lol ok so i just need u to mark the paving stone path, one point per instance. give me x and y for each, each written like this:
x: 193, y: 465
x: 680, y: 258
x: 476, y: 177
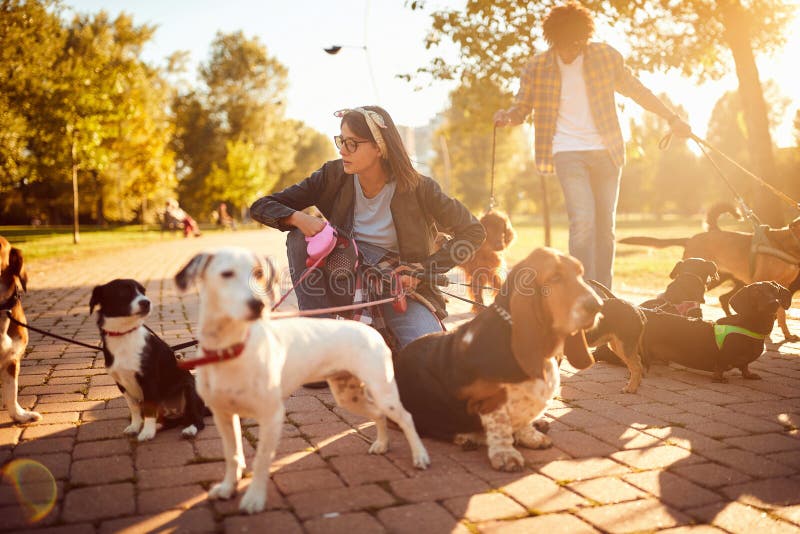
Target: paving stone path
x: 682, y: 454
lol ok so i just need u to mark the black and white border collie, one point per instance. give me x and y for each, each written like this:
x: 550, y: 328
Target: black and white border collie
x: 142, y: 364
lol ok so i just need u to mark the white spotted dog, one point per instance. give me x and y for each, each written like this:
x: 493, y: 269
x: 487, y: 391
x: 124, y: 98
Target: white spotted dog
x: 13, y: 337
x: 143, y: 366
x: 251, y: 364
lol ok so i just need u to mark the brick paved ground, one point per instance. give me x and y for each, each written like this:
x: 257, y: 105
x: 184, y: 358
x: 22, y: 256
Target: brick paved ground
x: 683, y: 453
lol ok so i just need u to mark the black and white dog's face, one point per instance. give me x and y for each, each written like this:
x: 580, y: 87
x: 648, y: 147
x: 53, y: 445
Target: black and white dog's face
x: 122, y: 304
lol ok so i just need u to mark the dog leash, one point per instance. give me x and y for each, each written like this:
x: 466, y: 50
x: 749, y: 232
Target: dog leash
x: 180, y: 346
x: 303, y: 276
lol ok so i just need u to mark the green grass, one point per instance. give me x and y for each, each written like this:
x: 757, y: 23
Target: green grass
x: 634, y: 266
x: 55, y: 242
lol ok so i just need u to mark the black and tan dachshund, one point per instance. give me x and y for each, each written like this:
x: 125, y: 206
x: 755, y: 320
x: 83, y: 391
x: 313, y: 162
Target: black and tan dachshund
x: 683, y: 296
x: 731, y: 342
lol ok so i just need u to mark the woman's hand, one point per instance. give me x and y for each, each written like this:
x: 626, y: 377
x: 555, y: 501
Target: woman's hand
x: 308, y: 224
x: 408, y: 282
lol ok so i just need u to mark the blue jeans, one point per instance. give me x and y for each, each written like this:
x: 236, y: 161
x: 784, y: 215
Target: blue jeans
x: 590, y: 182
x: 316, y: 292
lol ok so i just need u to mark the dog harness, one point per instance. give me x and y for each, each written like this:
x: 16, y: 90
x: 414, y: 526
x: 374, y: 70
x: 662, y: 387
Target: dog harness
x: 721, y: 331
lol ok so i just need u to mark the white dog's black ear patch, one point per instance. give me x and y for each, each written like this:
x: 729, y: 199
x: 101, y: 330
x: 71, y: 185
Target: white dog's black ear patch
x: 196, y: 267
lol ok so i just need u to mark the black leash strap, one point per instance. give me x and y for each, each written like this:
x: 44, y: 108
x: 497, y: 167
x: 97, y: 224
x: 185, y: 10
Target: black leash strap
x: 463, y: 299
x: 44, y: 332
x: 180, y: 346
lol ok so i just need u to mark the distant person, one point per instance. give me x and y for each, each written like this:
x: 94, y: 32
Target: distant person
x: 174, y: 211
x: 374, y: 195
x: 570, y: 88
x: 223, y: 217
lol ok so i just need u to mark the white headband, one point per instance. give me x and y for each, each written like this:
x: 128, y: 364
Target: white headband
x: 374, y: 122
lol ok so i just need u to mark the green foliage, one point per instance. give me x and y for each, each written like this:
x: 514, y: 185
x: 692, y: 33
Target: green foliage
x: 495, y: 37
x: 467, y: 131
x: 311, y: 149
x: 240, y: 108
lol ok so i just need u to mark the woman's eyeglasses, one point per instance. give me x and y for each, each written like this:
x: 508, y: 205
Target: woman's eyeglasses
x: 351, y: 145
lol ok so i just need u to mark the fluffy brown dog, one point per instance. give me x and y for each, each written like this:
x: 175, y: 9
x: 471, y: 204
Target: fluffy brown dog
x: 730, y: 251
x: 488, y: 266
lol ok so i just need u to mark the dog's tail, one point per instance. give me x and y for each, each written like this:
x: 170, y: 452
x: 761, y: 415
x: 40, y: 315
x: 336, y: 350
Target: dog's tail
x: 601, y: 289
x: 655, y: 242
x: 718, y: 209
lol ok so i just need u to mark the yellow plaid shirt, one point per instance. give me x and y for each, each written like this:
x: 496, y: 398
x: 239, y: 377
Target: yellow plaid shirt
x: 605, y: 73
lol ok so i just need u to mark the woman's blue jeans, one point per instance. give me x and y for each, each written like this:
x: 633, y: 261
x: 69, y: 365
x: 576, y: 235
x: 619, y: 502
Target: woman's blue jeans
x: 317, y: 292
x: 590, y: 182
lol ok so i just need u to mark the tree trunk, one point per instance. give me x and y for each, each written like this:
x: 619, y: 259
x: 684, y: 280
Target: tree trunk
x: 759, y: 141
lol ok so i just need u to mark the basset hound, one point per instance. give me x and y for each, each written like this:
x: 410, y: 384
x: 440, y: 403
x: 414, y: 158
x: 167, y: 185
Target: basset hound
x: 489, y: 379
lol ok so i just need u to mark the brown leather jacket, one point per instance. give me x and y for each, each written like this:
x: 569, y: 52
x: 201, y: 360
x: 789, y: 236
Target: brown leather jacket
x: 417, y: 215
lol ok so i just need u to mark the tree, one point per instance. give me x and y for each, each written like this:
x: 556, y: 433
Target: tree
x: 697, y: 37
x: 31, y: 38
x: 241, y: 104
x: 311, y: 150
x: 467, y: 129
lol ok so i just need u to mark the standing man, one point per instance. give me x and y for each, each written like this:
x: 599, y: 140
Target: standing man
x: 570, y: 89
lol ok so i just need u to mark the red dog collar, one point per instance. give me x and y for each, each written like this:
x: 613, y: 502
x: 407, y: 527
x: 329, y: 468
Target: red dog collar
x: 215, y: 356
x: 117, y: 334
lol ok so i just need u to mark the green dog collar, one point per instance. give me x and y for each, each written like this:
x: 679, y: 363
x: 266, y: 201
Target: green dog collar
x: 721, y: 331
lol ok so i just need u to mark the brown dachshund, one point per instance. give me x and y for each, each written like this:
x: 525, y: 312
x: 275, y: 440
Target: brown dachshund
x: 730, y: 251
x: 489, y: 379
x: 488, y: 266
x: 13, y: 338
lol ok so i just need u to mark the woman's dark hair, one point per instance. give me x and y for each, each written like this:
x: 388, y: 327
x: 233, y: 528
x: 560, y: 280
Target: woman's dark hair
x: 397, y: 164
x: 568, y: 23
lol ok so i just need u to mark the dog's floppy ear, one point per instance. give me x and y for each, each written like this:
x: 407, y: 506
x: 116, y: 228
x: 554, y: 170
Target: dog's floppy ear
x: 532, y: 338
x: 509, y: 235
x: 196, y: 267
x: 139, y: 287
x: 741, y: 300
x: 17, y: 266
x: 577, y: 351
x: 97, y: 293
x: 273, y: 280
x: 784, y: 296
x: 711, y: 269
x: 676, y: 270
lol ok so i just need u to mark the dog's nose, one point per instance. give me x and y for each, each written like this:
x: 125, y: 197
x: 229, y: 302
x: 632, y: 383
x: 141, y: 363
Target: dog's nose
x: 144, y: 305
x: 256, y: 306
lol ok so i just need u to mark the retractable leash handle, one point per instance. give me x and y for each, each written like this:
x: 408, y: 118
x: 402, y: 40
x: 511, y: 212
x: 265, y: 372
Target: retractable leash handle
x: 320, y: 245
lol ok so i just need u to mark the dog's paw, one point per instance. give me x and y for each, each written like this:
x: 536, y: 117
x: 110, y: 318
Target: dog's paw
x: 189, y: 432
x: 790, y: 337
x: 146, y: 434
x: 132, y: 429
x: 719, y: 378
x: 751, y: 376
x: 254, y: 500
x: 379, y: 447
x: 533, y: 439
x: 506, y: 459
x: 222, y: 491
x: 25, y: 416
x: 629, y: 388
x: 421, y: 459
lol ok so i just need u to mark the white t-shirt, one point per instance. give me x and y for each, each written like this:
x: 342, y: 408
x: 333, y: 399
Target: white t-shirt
x: 575, y: 128
x: 373, y: 217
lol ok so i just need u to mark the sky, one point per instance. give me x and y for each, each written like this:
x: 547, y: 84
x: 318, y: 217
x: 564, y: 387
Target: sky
x: 295, y: 32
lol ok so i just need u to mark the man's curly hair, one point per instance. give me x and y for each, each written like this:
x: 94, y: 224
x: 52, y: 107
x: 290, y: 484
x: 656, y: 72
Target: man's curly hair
x: 568, y: 23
